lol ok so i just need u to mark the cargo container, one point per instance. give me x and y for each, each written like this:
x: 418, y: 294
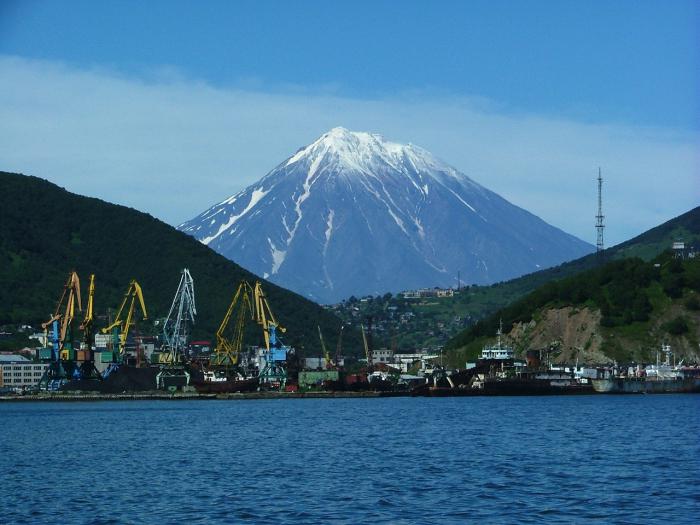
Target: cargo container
x: 45, y: 354
x: 352, y: 379
x: 67, y: 354
x: 83, y: 355
x: 106, y: 357
x: 316, y: 378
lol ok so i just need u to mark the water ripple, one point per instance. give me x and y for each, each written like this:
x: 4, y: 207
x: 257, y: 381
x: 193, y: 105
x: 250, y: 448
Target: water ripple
x: 348, y: 461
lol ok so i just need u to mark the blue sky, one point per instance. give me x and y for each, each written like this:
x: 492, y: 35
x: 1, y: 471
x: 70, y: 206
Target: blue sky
x: 528, y: 98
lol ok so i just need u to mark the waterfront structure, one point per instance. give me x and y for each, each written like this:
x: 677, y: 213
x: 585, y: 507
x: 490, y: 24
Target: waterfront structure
x: 19, y: 372
x: 406, y: 361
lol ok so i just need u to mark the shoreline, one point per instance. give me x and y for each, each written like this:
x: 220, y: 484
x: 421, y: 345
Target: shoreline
x: 179, y: 396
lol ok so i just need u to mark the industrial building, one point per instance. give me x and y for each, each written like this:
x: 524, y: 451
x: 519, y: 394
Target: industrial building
x: 18, y: 372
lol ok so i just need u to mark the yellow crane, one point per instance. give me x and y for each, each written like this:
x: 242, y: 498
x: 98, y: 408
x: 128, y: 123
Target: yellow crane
x: 87, y: 325
x: 262, y: 313
x: 228, y: 349
x: 120, y: 327
x: 326, y: 355
x: 64, y: 314
x: 251, y: 301
x: 273, y: 373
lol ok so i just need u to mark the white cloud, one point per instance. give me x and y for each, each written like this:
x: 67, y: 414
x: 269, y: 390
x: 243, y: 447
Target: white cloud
x: 172, y: 146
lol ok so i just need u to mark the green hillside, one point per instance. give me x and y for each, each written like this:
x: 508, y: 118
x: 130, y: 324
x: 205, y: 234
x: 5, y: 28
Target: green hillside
x: 637, y: 304
x: 481, y: 301
x: 46, y: 231
x: 434, y: 321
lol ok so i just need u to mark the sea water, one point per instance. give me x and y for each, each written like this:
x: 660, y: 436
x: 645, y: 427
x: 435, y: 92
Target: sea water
x: 582, y: 459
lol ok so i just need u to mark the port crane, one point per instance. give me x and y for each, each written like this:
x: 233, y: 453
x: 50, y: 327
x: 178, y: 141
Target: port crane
x: 87, y: 325
x: 250, y: 303
x: 61, y: 322
x: 182, y: 311
x: 228, y: 348
x: 120, y: 327
x: 330, y: 363
x: 326, y: 354
x: 62, y: 366
x: 339, y: 346
x: 85, y: 366
x: 368, y: 352
x: 273, y: 373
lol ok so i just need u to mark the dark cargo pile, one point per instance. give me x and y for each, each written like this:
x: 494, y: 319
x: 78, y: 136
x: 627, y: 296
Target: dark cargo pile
x: 124, y: 379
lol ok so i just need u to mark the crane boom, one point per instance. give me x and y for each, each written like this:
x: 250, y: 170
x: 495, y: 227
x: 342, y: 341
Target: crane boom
x: 228, y: 349
x: 120, y: 326
x: 249, y: 303
x: 272, y: 372
x: 264, y: 317
x: 87, y: 325
x: 182, y: 311
x: 326, y: 355
x: 64, y: 313
x: 367, y: 352
x: 73, y: 297
x: 339, y: 347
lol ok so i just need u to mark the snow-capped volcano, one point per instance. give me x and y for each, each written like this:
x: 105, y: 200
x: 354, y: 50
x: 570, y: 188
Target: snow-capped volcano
x: 354, y: 214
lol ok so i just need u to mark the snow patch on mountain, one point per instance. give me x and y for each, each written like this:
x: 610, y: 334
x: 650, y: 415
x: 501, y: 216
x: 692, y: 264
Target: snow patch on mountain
x: 255, y: 197
x: 278, y: 257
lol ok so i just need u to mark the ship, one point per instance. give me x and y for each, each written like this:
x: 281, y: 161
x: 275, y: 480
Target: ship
x: 218, y: 382
x: 664, y: 378
x: 497, y: 372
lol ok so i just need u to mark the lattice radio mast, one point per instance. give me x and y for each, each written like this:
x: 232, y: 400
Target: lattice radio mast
x: 599, y: 226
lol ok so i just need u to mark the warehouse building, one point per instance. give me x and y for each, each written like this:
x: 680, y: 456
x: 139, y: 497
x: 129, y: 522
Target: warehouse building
x: 18, y: 372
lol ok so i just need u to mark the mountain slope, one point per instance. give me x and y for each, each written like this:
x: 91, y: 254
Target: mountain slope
x: 432, y: 322
x: 622, y: 310
x: 45, y: 232
x: 485, y: 300
x: 354, y: 214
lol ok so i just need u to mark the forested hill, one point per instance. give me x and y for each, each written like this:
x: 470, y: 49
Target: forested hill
x: 634, y: 304
x: 46, y: 232
x: 483, y: 301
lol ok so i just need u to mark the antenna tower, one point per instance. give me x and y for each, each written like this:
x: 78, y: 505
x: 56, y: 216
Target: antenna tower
x: 599, y: 226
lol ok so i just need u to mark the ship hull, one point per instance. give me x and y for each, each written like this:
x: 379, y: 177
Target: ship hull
x: 646, y: 386
x: 534, y: 387
x: 221, y: 387
x: 508, y: 387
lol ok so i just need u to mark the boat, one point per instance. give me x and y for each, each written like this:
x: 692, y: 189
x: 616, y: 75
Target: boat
x: 498, y: 373
x: 665, y: 378
x: 536, y: 383
x: 217, y: 382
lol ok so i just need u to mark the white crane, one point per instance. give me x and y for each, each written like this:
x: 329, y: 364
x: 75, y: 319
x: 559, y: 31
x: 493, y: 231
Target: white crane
x: 182, y: 312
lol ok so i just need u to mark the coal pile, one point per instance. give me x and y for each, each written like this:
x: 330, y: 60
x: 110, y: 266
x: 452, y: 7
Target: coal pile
x: 124, y: 379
